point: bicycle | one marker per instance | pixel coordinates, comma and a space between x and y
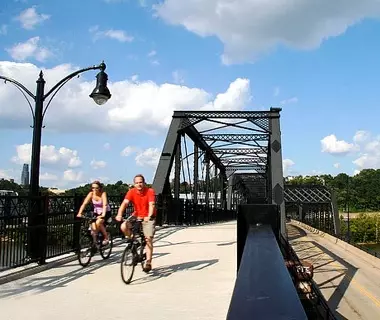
89, 246
135, 249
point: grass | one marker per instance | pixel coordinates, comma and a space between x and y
353, 215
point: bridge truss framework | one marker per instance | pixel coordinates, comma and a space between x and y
241, 156
213, 161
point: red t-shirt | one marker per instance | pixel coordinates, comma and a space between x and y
140, 201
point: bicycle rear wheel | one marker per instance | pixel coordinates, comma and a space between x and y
85, 250
105, 251
128, 263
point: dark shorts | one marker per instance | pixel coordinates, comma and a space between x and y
107, 218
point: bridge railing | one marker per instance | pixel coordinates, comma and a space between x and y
272, 283
187, 212
57, 230
263, 288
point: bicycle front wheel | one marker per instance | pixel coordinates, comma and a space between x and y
85, 250
128, 263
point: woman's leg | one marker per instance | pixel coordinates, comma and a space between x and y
102, 229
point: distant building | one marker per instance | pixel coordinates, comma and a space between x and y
25, 175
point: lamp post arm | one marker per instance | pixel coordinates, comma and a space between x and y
72, 75
20, 86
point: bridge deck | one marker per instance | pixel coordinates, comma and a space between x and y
350, 285
193, 278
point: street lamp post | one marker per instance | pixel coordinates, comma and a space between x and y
100, 95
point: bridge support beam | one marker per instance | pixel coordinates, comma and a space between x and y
277, 176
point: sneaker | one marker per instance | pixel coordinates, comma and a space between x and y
147, 267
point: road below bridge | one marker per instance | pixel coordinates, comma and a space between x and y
193, 278
349, 283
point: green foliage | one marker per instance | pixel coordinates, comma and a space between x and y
112, 189
361, 193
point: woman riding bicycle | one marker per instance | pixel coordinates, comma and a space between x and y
102, 210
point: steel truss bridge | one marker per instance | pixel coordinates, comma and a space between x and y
225, 165
212, 161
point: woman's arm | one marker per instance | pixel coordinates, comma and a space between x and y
84, 204
105, 203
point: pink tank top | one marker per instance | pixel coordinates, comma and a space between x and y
98, 206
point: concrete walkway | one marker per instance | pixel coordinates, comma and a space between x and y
193, 278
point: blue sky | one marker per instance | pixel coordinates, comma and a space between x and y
320, 63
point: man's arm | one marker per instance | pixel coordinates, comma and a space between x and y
152, 202
123, 206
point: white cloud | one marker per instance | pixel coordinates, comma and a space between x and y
330, 144
50, 156
155, 62
3, 29
107, 146
73, 176
276, 91
152, 53
29, 49
365, 147
48, 177
98, 164
286, 166
249, 28
337, 165
289, 101
119, 35
178, 77
128, 150
6, 174
148, 157
145, 102
29, 18
361, 136
134, 77
102, 179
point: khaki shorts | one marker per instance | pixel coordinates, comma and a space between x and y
149, 227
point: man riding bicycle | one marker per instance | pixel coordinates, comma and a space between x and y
143, 200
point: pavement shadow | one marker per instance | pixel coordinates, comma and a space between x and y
63, 275
166, 271
295, 232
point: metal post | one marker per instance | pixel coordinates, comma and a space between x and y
348, 209
37, 132
36, 218
34, 221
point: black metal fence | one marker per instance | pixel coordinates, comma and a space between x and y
48, 224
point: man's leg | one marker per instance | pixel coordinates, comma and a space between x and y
126, 226
148, 229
